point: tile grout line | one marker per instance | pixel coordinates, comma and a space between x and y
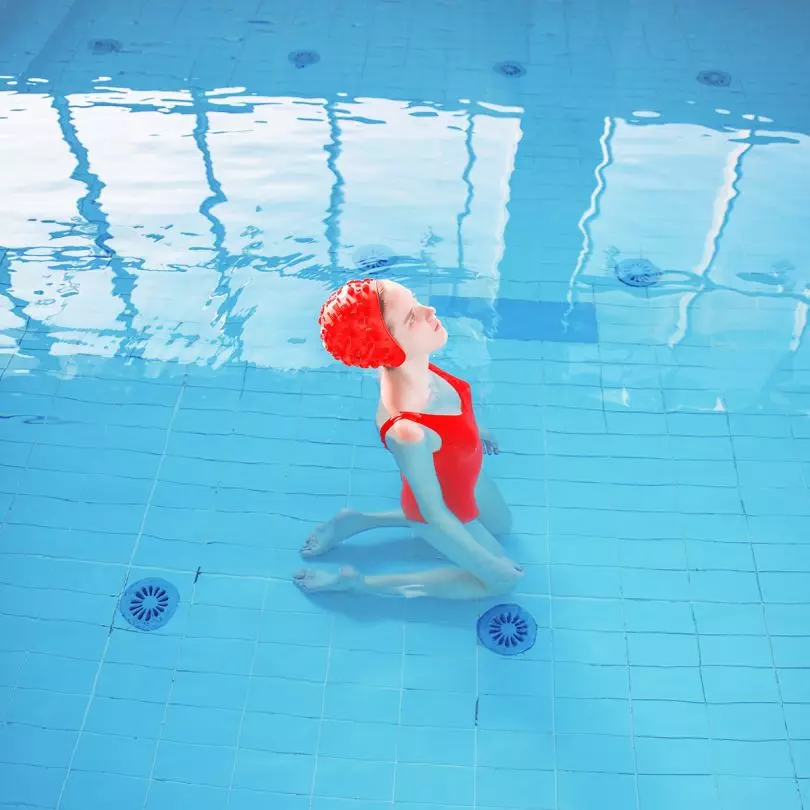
150, 777
769, 637
102, 659
247, 697
316, 754
403, 632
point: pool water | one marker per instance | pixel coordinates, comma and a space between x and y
613, 228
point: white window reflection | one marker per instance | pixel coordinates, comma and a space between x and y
211, 226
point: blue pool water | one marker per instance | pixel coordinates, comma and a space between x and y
182, 185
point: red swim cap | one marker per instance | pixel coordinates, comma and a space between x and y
353, 330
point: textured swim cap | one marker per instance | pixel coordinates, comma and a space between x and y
353, 330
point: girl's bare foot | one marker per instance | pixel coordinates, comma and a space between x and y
343, 525
314, 580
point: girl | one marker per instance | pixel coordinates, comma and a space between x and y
425, 418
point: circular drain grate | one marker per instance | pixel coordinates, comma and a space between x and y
637, 273
149, 603
507, 630
373, 257
302, 59
714, 78
511, 69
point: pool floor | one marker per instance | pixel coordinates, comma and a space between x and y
605, 203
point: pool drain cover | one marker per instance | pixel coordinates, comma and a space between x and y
714, 78
302, 59
507, 630
511, 69
637, 273
149, 603
373, 257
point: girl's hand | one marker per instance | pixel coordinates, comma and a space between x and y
490, 443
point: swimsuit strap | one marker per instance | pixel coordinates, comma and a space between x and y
411, 416
424, 419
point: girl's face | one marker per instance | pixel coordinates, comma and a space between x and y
413, 326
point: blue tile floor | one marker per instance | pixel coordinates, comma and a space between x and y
179, 195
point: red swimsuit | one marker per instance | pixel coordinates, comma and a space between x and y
458, 460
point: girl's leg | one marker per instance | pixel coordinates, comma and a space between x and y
347, 523
494, 513
495, 516
442, 583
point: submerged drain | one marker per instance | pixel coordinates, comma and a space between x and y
149, 603
507, 630
302, 59
637, 273
511, 69
714, 78
373, 257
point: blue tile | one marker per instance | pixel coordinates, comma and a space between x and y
574, 680
794, 685
419, 782
441, 672
421, 708
311, 629
753, 758
747, 721
37, 707
721, 619
501, 675
587, 614
201, 725
58, 674
662, 649
434, 746
84, 789
660, 617
595, 753
219, 622
724, 586
590, 647
179, 795
27, 785
503, 788
105, 753
797, 718
667, 792
246, 799
355, 779
753, 793
331, 803
800, 750
513, 319
197, 764
514, 713
28, 745
666, 683
740, 685
273, 772
210, 689
577, 790
283, 734
134, 682
367, 741
668, 756
587, 716
365, 668
670, 718
209, 655
520, 750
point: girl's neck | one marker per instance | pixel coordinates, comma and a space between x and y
407, 387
